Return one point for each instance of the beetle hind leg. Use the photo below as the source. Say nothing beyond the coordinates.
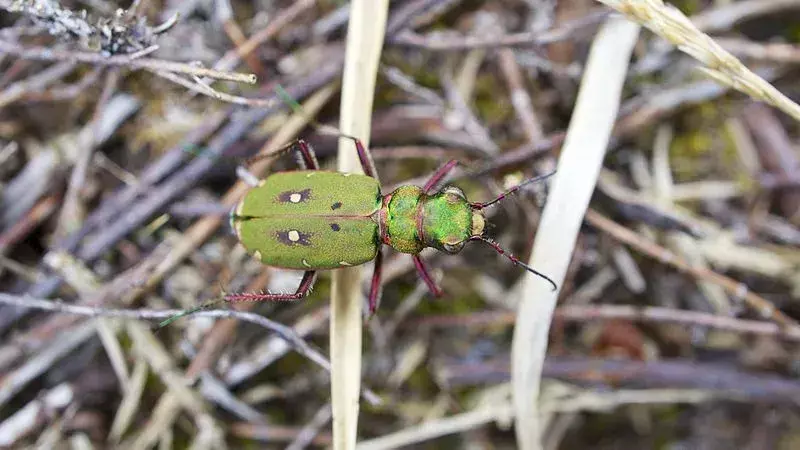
(375, 285)
(364, 157)
(308, 158)
(305, 287)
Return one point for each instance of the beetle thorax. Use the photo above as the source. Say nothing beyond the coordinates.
(399, 219)
(413, 220)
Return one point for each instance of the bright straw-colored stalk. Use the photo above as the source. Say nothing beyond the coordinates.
(668, 22)
(365, 35)
(581, 158)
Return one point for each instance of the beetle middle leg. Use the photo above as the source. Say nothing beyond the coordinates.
(302, 290)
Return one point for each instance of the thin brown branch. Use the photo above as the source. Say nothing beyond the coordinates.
(145, 314)
(520, 99)
(34, 217)
(763, 51)
(281, 330)
(739, 290)
(35, 83)
(201, 88)
(310, 432)
(529, 38)
(232, 57)
(727, 380)
(73, 210)
(47, 54)
(68, 91)
(237, 36)
(587, 313)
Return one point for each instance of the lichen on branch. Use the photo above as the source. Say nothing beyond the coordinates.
(123, 33)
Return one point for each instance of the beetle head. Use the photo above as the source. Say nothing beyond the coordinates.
(448, 220)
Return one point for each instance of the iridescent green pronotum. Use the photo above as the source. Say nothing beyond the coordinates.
(316, 220)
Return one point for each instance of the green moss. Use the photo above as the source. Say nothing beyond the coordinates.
(418, 68)
(688, 7)
(454, 303)
(492, 102)
(697, 152)
(420, 381)
(731, 158)
(792, 33)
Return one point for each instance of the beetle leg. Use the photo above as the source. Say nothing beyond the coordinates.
(375, 286)
(308, 159)
(364, 157)
(307, 155)
(440, 173)
(273, 154)
(426, 277)
(302, 291)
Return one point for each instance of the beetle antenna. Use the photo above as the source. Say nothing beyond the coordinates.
(479, 205)
(513, 258)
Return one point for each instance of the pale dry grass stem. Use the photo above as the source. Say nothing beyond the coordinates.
(671, 24)
(365, 36)
(578, 168)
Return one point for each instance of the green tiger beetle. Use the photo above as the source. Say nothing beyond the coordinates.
(314, 220)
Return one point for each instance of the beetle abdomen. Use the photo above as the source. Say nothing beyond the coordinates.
(311, 220)
(310, 243)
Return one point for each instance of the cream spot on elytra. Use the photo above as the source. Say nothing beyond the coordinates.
(293, 237)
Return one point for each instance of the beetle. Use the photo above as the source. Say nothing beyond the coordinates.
(314, 220)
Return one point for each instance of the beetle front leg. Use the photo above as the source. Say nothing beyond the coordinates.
(426, 277)
(302, 291)
(440, 173)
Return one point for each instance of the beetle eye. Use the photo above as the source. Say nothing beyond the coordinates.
(453, 248)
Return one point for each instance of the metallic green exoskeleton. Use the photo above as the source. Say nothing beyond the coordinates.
(311, 220)
(315, 220)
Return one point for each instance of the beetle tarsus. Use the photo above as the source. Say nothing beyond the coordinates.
(303, 290)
